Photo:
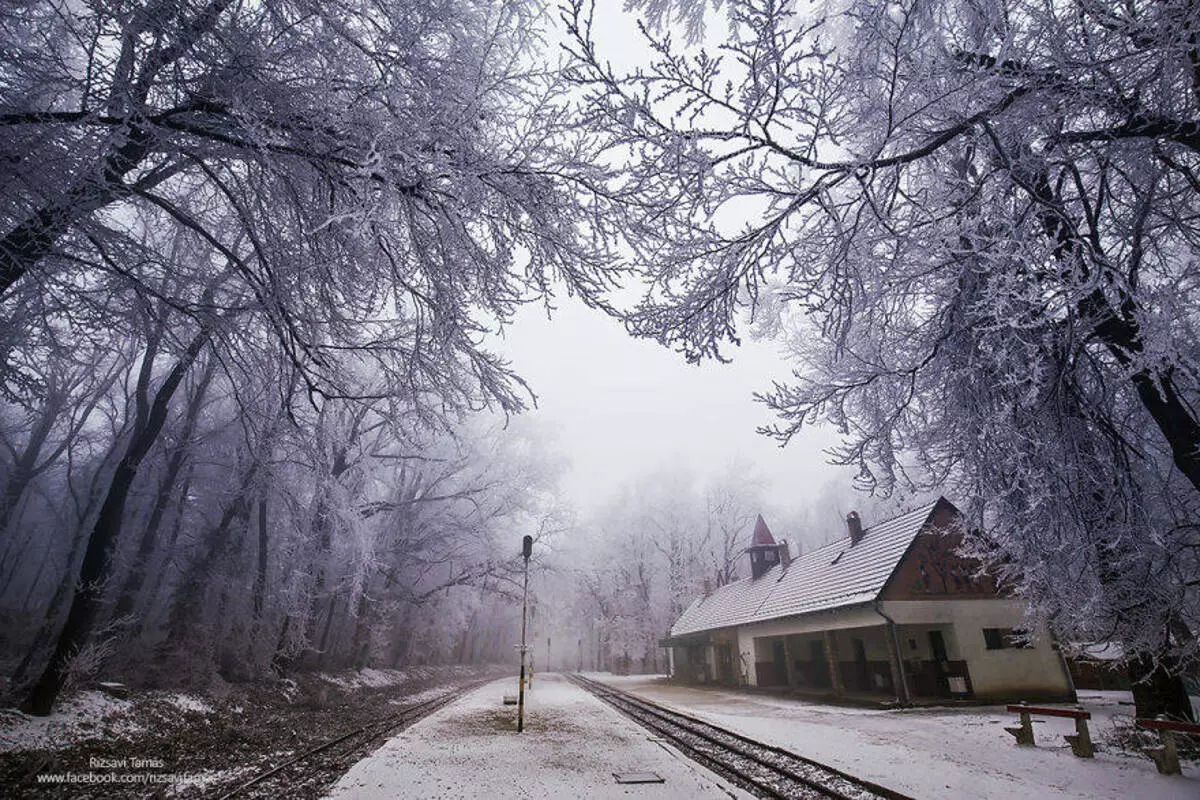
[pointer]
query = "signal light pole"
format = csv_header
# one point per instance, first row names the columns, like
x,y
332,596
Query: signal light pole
x,y
526,551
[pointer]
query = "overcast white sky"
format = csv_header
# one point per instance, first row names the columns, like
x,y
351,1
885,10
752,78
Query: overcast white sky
x,y
624,407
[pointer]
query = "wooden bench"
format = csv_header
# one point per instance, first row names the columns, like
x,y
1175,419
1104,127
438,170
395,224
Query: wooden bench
x,y
1166,758
1081,742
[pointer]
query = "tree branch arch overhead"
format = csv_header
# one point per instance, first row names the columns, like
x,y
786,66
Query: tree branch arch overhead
x,y
976,224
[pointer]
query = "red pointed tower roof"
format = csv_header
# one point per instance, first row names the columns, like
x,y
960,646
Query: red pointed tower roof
x,y
762,534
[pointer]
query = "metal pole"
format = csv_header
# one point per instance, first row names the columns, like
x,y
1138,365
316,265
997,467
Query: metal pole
x,y
526,549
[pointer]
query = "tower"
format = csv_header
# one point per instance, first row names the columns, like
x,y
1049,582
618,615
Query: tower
x,y
764,552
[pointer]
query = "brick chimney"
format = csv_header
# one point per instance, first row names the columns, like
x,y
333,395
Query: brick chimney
x,y
855,526
785,554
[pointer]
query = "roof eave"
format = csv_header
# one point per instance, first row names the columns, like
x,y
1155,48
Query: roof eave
x,y
815,611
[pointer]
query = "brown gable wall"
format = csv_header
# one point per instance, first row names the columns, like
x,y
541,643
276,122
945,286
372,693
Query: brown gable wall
x,y
931,569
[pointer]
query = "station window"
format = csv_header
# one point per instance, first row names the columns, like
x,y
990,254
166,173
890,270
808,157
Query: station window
x,y
1006,638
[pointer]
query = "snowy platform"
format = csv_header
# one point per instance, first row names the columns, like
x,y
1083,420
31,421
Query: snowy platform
x,y
933,753
571,747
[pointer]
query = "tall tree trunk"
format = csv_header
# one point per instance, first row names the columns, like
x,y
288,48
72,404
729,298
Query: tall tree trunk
x,y
467,637
281,661
53,611
185,605
131,587
360,642
153,594
260,572
324,647
18,481
97,565
323,528
323,532
31,592
1158,689
25,467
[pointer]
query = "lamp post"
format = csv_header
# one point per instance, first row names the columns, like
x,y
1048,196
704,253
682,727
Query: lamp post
x,y
526,551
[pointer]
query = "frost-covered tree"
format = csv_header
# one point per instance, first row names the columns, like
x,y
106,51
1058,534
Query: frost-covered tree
x,y
637,562
977,222
356,189
381,175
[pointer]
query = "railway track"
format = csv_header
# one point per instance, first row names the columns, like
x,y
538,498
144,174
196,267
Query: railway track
x,y
761,769
308,772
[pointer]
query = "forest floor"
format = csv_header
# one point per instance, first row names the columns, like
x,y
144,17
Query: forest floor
x,y
171,744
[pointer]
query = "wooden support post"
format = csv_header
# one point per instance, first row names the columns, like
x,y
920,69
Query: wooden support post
x,y
788,668
1024,732
1166,758
831,658
1081,742
895,666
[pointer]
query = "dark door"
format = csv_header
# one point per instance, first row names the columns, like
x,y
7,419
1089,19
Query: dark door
x,y
779,653
696,664
862,677
724,664
937,643
819,666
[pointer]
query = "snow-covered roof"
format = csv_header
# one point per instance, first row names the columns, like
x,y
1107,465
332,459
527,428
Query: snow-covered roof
x,y
831,576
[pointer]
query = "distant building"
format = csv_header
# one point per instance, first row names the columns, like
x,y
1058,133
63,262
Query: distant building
x,y
889,612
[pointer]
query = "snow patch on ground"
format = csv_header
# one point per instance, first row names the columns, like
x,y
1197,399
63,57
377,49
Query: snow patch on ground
x,y
86,715
187,702
571,746
368,678
419,697
373,678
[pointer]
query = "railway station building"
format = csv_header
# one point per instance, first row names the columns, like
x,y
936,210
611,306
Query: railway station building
x,y
886,614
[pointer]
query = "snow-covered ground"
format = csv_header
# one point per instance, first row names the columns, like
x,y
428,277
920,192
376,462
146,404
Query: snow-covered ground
x,y
187,702
87,715
570,748
937,752
419,697
369,678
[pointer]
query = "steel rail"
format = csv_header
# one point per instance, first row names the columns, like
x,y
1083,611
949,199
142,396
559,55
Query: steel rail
x,y
404,717
725,748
